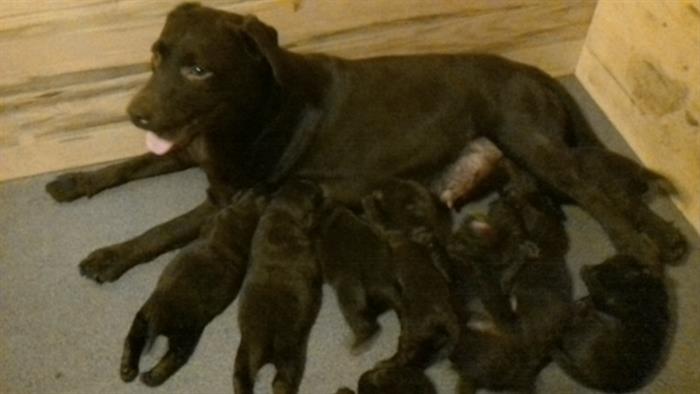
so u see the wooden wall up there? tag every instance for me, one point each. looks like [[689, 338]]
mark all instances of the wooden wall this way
[[641, 64], [68, 67]]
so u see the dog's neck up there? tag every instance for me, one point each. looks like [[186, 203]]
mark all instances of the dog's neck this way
[[261, 146]]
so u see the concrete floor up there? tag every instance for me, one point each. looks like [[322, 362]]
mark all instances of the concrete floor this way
[[61, 333]]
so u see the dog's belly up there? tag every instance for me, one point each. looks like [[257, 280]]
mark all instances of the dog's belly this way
[[350, 165], [389, 120]]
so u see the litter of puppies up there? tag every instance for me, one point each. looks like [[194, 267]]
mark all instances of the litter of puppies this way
[[309, 183]]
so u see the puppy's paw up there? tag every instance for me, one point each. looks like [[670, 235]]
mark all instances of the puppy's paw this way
[[672, 245], [67, 187], [128, 373], [364, 339], [103, 265], [152, 379]]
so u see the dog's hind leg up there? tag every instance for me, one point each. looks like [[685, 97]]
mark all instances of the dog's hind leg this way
[[180, 348], [109, 263], [248, 362], [133, 347], [352, 300], [625, 181], [289, 374], [73, 185], [556, 166]]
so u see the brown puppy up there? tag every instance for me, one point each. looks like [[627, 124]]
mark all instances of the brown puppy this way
[[517, 255], [356, 263], [193, 289], [399, 211], [617, 336], [402, 380], [281, 295]]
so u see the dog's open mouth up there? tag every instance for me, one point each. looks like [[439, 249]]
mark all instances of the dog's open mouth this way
[[158, 145]]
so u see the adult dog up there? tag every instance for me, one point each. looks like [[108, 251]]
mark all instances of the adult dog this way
[[225, 96]]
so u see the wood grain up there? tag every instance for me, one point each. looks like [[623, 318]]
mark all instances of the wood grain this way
[[68, 67], [641, 64]]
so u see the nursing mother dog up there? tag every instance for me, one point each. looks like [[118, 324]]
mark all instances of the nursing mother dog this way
[[225, 96]]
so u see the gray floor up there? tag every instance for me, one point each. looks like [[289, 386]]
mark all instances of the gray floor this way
[[60, 333]]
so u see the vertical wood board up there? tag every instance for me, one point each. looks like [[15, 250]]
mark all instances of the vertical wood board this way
[[641, 64]]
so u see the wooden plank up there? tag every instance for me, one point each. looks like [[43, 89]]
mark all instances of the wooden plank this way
[[641, 64], [68, 68]]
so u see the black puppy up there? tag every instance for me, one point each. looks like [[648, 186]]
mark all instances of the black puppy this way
[[403, 380], [356, 263], [617, 336], [399, 211], [517, 258], [193, 289], [281, 295]]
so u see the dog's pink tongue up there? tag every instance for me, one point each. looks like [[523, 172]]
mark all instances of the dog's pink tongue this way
[[156, 144]]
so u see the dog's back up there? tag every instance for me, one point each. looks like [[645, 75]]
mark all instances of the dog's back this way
[[281, 295]]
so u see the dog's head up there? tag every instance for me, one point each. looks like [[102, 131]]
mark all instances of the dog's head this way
[[621, 286], [209, 67]]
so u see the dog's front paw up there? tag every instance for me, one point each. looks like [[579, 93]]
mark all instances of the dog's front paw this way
[[67, 187], [104, 265]]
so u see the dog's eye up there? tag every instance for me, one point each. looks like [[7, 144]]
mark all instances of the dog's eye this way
[[195, 72]]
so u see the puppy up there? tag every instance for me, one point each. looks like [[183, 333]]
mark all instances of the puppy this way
[[617, 336], [404, 380], [517, 255], [281, 295], [356, 263], [194, 288], [398, 210]]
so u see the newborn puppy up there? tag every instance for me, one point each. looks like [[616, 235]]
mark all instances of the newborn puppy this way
[[617, 336], [194, 288], [404, 380], [281, 295], [356, 263], [399, 211], [517, 254]]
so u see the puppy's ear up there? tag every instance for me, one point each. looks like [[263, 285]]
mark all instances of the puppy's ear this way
[[261, 42]]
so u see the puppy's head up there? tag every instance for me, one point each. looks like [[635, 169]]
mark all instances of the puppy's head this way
[[301, 198], [403, 205], [209, 67], [621, 286]]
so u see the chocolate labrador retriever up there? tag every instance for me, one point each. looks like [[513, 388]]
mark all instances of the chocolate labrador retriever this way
[[520, 248], [281, 295], [617, 338], [225, 96], [193, 289]]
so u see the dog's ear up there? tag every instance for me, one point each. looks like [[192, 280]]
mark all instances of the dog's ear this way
[[260, 40]]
